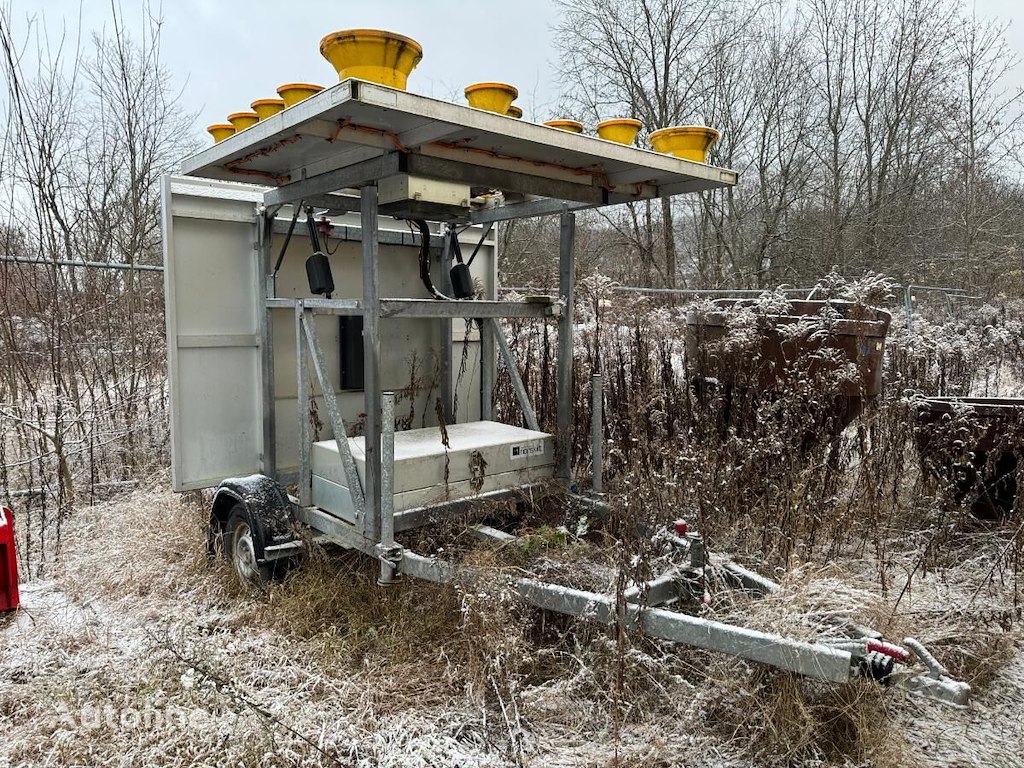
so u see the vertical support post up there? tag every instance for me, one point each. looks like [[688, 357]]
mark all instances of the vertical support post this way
[[370, 522], [266, 289], [566, 289], [597, 433], [447, 398], [907, 307], [387, 489], [698, 554], [486, 371], [302, 382]]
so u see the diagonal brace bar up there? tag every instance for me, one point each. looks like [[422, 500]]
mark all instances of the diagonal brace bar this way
[[337, 422], [302, 376], [513, 373]]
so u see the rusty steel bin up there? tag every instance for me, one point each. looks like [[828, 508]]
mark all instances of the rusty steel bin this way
[[972, 445], [812, 340]]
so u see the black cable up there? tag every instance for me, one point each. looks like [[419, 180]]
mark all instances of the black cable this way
[[287, 238], [327, 245], [456, 248], [483, 237], [424, 258], [314, 239]]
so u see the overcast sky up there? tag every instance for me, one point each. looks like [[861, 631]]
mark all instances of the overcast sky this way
[[225, 54], [228, 54]]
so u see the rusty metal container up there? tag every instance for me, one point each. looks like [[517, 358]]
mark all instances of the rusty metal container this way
[[812, 340], [972, 445]]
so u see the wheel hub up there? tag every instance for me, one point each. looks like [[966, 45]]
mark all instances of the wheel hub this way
[[244, 556]]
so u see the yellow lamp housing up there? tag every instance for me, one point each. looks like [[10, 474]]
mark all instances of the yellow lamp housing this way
[[372, 54], [293, 93], [621, 130], [514, 112], [688, 142], [267, 107], [242, 120], [220, 131], [492, 97], [572, 126]]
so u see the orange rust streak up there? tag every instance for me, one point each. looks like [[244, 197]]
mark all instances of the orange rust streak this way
[[277, 179], [600, 176], [348, 124], [343, 124], [235, 165]]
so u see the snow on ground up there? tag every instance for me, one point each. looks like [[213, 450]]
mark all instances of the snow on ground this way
[[138, 653]]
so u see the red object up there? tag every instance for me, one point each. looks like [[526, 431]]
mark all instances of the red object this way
[[325, 226], [893, 651], [681, 528], [9, 598]]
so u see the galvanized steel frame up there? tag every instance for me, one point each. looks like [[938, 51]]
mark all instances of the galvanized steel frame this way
[[374, 530], [376, 523], [376, 520], [566, 323], [372, 395], [804, 658], [509, 361], [638, 609]]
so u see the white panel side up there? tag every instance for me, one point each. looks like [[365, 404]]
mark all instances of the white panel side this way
[[212, 298]]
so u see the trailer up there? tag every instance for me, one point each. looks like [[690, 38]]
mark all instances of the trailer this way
[[293, 350]]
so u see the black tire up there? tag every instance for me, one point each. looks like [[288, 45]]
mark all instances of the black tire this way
[[243, 549]]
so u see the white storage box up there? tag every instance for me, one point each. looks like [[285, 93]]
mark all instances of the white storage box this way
[[481, 456]]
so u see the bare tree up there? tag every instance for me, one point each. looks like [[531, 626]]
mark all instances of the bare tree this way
[[981, 137], [868, 135], [639, 58], [758, 95], [89, 131]]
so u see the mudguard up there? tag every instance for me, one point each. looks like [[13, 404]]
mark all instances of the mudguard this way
[[268, 506]]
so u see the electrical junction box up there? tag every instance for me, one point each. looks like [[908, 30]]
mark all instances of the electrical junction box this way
[[417, 197], [481, 456]]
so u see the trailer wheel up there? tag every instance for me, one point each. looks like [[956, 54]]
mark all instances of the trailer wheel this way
[[240, 548]]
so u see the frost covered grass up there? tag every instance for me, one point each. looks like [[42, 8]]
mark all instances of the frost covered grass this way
[[138, 653], [771, 480]]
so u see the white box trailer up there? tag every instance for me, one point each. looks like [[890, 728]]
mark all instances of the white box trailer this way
[[281, 380], [234, 400]]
